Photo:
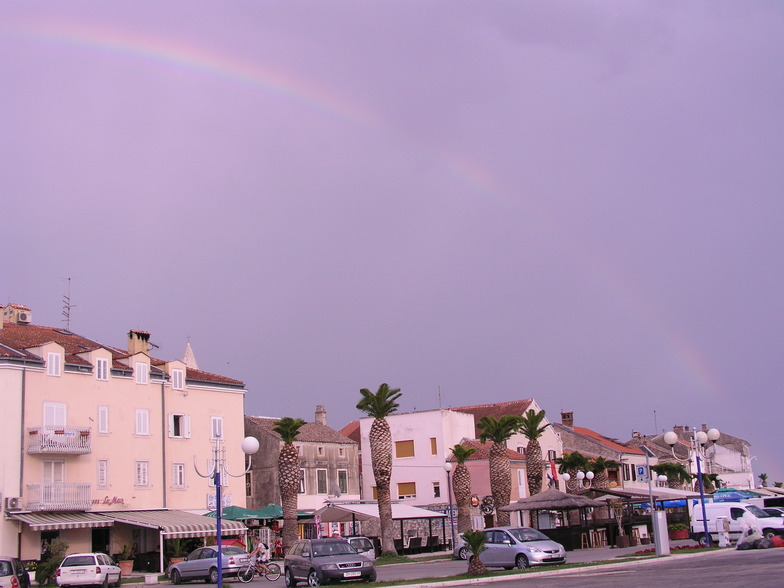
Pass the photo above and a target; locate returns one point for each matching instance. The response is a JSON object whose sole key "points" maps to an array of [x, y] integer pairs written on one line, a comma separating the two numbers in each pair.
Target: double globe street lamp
{"points": [[582, 480], [697, 446]]}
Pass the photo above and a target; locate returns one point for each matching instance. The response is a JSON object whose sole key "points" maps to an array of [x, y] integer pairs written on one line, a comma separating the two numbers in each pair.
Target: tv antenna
{"points": [[67, 306]]}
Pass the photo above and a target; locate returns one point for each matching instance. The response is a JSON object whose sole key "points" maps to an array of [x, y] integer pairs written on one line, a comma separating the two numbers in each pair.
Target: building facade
{"points": [[100, 438]]}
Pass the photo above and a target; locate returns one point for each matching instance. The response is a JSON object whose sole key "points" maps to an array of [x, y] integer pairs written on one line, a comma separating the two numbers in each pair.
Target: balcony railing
{"points": [[59, 440], [59, 497]]}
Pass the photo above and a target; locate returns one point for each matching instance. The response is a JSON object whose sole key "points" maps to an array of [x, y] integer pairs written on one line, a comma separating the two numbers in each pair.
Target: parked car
{"points": [[202, 564], [318, 561], [88, 569], [516, 547], [364, 546], [13, 573], [461, 548], [774, 511]]}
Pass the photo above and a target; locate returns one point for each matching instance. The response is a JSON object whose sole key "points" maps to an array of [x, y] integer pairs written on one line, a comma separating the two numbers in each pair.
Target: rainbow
{"points": [[172, 54]]}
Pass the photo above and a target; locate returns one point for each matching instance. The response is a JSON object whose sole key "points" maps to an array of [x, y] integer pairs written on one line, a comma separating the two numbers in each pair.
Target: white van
{"points": [[718, 512]]}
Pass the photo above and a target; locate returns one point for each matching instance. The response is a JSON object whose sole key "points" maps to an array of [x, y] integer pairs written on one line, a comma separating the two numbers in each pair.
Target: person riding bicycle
{"points": [[259, 557]]}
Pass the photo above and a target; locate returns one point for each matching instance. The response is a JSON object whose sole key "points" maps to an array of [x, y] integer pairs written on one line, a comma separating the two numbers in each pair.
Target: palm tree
{"points": [[461, 483], [288, 476], [476, 543], [571, 463], [380, 405], [677, 475], [599, 466], [498, 431], [710, 482], [531, 426], [763, 480]]}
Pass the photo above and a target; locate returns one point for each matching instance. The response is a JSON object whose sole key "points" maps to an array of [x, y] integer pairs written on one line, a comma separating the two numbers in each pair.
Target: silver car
{"points": [[520, 547], [202, 564]]}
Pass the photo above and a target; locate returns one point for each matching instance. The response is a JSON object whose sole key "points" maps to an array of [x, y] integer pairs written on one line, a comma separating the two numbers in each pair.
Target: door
{"points": [[52, 490]]}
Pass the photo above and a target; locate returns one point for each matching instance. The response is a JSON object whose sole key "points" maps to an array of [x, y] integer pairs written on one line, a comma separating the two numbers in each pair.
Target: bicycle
{"points": [[270, 570]]}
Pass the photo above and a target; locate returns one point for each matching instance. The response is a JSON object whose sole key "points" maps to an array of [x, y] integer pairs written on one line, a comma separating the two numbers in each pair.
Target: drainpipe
{"points": [[22, 434], [164, 422]]}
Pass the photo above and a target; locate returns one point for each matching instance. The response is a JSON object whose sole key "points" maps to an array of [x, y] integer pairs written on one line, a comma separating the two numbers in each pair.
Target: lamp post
{"points": [[448, 470], [215, 467], [658, 518], [582, 480], [696, 451]]}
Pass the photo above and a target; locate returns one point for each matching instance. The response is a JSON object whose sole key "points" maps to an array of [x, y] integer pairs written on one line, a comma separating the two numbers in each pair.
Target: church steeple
{"points": [[189, 359]]}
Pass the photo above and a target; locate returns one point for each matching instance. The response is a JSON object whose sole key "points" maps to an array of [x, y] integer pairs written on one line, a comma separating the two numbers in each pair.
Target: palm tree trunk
{"points": [[500, 482]]}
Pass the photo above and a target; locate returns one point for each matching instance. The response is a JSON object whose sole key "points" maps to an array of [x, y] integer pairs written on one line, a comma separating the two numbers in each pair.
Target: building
{"points": [[101, 442], [630, 458], [328, 463]]}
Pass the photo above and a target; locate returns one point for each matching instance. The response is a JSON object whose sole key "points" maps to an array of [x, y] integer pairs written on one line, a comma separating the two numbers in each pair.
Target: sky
{"points": [[577, 202]]}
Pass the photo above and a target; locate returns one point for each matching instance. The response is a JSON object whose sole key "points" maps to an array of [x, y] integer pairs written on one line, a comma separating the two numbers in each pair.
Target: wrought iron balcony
{"points": [[59, 497], [59, 440]]}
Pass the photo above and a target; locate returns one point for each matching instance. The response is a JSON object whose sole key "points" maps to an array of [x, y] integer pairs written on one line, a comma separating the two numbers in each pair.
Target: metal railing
{"points": [[59, 440], [59, 497]]}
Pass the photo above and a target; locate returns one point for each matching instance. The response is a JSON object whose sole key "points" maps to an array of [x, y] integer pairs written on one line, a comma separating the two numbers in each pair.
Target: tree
{"points": [[571, 463], [763, 480], [476, 543], [288, 476], [599, 466], [380, 405], [677, 475], [710, 482], [461, 483], [531, 426], [498, 431]]}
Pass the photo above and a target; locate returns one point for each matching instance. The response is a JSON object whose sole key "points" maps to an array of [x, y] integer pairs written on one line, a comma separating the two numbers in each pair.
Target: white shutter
{"points": [[54, 414], [171, 425], [186, 427], [103, 419]]}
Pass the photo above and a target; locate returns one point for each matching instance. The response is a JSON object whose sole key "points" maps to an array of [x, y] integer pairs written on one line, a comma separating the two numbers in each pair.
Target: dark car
{"points": [[13, 573], [318, 561], [202, 564]]}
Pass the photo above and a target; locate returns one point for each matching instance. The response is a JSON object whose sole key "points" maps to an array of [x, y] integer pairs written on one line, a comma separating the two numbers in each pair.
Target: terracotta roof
{"points": [[497, 410], [483, 451], [351, 431], [15, 340], [608, 442], [308, 433]]}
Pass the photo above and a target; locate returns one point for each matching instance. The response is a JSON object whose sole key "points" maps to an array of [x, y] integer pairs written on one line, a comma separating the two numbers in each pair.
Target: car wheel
{"points": [[105, 583], [769, 534], [372, 577], [176, 577], [288, 578], [313, 579], [119, 581], [462, 553], [521, 562], [213, 577]]}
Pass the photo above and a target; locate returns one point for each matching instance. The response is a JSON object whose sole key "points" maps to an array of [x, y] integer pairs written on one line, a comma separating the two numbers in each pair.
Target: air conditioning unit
{"points": [[24, 317], [13, 503]]}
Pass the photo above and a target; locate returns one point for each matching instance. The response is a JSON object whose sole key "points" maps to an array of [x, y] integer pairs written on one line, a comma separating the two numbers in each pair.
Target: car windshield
{"points": [[78, 560], [332, 548], [757, 511], [524, 535]]}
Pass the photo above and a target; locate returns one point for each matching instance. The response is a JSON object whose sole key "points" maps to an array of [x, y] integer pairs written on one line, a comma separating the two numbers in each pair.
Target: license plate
{"points": [[352, 574], [77, 571]]}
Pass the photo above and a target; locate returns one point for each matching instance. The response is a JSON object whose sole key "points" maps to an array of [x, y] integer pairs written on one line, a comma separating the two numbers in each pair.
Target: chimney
{"points": [[567, 419], [704, 427], [679, 429], [138, 342], [321, 414]]}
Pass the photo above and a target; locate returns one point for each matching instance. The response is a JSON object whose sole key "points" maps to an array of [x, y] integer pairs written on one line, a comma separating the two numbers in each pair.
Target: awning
{"points": [[348, 512], [175, 524], [53, 521]]}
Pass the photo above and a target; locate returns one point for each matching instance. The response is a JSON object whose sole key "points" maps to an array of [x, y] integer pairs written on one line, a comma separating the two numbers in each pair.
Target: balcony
{"points": [[59, 440], [59, 497]]}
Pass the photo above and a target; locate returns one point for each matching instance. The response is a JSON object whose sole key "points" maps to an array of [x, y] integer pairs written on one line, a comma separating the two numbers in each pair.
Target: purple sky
{"points": [[578, 202]]}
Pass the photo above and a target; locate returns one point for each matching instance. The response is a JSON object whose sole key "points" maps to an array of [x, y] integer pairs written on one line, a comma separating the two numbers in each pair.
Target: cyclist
{"points": [[259, 557]]}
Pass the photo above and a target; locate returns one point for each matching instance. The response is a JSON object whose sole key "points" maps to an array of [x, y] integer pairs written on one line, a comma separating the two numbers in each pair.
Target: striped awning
{"points": [[53, 521], [174, 524]]}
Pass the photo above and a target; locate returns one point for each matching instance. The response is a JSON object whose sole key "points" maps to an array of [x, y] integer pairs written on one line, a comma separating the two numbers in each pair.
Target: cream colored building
{"points": [[100, 442]]}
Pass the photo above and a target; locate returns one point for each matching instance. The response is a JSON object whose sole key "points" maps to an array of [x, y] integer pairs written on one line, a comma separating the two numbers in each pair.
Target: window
{"points": [[142, 372], [436, 490], [102, 369], [302, 481], [53, 364], [521, 449], [551, 455], [216, 427], [178, 475], [54, 414], [404, 448], [406, 490], [103, 473], [321, 481], [433, 446], [320, 450], [627, 473], [142, 421], [179, 426], [177, 379], [341, 452], [103, 419], [142, 474], [343, 481], [375, 493]]}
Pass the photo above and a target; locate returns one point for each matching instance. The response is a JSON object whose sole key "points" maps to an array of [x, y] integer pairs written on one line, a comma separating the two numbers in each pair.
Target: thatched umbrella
{"points": [[552, 499]]}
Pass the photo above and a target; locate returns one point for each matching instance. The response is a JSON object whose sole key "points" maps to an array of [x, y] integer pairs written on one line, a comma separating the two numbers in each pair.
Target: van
{"points": [[718, 512]]}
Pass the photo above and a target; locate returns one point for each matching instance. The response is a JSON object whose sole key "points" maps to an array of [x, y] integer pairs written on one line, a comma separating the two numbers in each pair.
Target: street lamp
{"points": [[448, 470], [215, 467], [696, 451], [658, 518], [582, 480]]}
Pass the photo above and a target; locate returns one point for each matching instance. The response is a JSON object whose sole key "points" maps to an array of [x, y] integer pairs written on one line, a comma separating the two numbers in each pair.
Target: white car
{"points": [[85, 569]]}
